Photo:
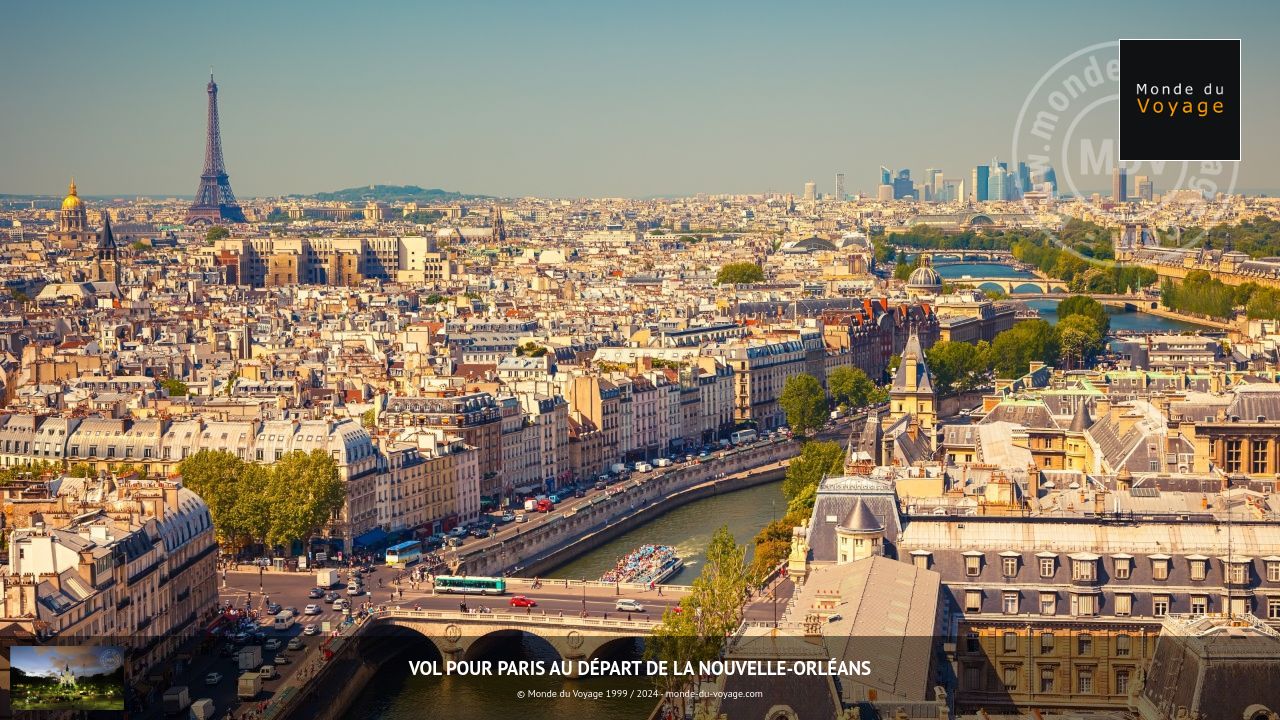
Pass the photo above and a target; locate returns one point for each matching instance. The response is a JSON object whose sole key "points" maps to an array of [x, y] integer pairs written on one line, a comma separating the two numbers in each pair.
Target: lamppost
{"points": [[584, 597]]}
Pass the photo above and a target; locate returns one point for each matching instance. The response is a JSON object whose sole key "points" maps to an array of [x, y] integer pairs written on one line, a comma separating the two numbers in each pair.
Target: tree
{"points": [[850, 387], [958, 365], [369, 419], [1079, 338], [222, 480], [1088, 307], [434, 299], [804, 402], [304, 491], [815, 461], [741, 273], [215, 233], [175, 387], [1015, 348], [711, 612]]}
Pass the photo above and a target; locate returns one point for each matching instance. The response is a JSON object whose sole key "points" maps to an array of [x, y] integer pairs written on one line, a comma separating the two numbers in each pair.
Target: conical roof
{"points": [[1081, 421], [861, 519]]}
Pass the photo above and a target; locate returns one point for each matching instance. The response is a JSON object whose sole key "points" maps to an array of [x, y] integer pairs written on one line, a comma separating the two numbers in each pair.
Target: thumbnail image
{"points": [[77, 677]]}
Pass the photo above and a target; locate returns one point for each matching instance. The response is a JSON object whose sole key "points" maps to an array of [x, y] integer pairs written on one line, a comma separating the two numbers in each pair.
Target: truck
{"points": [[326, 578], [202, 709], [249, 658], [643, 467], [617, 468], [249, 686], [544, 505], [176, 700], [663, 462], [530, 505]]}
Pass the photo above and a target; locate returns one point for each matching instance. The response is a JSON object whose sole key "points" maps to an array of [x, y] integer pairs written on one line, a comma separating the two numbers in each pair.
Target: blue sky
{"points": [[558, 98]]}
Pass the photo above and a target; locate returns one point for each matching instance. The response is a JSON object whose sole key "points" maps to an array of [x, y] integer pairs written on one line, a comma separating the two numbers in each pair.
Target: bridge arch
{"points": [[619, 648], [511, 641], [1026, 287], [993, 285], [382, 642]]}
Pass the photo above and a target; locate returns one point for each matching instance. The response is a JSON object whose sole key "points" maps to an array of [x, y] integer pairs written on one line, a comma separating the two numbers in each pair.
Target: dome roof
{"points": [[72, 201], [924, 276]]}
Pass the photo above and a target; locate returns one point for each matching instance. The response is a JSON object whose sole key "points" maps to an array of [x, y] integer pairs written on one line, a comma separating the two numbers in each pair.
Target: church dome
{"points": [[72, 200], [925, 277]]}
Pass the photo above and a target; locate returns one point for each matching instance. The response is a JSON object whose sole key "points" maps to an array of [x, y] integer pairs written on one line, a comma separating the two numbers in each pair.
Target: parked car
{"points": [[520, 518], [628, 605], [508, 517], [522, 601], [213, 678]]}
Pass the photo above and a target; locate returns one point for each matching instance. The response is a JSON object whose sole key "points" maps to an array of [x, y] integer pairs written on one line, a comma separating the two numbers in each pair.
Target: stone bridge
{"points": [[957, 256], [1014, 286], [468, 636]]}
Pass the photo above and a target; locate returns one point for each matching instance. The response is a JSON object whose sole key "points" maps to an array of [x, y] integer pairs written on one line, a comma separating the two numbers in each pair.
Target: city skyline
{"points": [[511, 101]]}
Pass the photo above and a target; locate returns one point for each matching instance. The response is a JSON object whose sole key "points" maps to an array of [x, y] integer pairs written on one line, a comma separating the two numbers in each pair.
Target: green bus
{"points": [[471, 585]]}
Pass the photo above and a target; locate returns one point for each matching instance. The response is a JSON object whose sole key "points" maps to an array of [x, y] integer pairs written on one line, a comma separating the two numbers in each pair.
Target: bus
{"points": [[406, 553], [743, 436], [471, 585]]}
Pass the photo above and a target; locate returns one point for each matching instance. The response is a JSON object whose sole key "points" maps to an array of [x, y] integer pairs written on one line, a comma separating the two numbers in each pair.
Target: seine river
{"points": [[395, 695]]}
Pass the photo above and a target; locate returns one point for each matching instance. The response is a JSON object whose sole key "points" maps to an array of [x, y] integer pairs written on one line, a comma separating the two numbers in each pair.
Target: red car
{"points": [[522, 601]]}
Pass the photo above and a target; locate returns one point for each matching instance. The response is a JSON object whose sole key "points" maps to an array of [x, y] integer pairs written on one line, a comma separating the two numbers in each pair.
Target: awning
{"points": [[371, 538]]}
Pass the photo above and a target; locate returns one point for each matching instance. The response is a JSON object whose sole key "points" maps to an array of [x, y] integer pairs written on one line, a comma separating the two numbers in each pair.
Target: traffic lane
{"points": [[596, 606]]}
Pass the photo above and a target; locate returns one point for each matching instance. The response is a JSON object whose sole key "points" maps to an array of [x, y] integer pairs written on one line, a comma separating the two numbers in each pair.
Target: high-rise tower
{"points": [[214, 200]]}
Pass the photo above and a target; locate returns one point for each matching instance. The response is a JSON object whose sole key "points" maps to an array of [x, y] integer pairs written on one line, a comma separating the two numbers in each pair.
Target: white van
{"points": [[354, 588], [284, 620]]}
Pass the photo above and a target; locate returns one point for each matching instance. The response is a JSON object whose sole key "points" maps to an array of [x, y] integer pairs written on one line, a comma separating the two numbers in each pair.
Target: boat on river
{"points": [[646, 564]]}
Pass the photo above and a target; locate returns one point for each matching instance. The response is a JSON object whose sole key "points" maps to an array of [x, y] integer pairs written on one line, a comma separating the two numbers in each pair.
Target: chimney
{"points": [[1102, 407], [85, 568]]}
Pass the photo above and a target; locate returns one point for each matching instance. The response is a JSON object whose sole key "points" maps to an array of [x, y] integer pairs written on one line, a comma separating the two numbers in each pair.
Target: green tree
{"points": [[369, 418], [742, 273], [815, 461], [434, 299], [1015, 348], [81, 470], [224, 482], [1080, 339], [851, 387], [175, 387], [711, 612], [215, 233], [804, 402], [1087, 306], [304, 491], [958, 365]]}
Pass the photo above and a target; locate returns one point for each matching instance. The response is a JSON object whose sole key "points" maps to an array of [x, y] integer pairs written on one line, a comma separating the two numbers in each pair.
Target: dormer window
{"points": [[972, 563], [1199, 565], [1084, 566], [1009, 564], [1160, 567]]}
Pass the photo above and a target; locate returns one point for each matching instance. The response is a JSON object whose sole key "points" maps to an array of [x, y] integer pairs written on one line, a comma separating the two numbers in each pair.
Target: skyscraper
{"points": [[810, 191], [1051, 177], [1119, 185], [981, 178], [839, 186], [1024, 178], [998, 184], [1143, 188], [886, 177], [902, 185]]}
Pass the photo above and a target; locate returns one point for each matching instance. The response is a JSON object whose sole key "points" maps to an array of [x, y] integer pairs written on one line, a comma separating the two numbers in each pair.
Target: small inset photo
{"points": [[72, 677]]}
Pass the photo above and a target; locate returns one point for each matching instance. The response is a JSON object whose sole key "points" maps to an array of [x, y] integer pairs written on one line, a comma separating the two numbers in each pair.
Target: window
{"points": [[1009, 566], [1199, 569], [1082, 605], [1238, 573], [1122, 681], [1160, 569], [921, 561], [972, 565], [1084, 644], [1233, 455], [1199, 604], [1084, 681], [1124, 605], [1122, 645], [1122, 568], [1239, 605], [1082, 570], [1160, 605], [971, 643], [1048, 603], [1010, 641], [972, 600], [1258, 461], [1273, 608], [1011, 673], [1046, 567], [973, 677], [1010, 603], [1046, 643], [1046, 680], [1273, 571]]}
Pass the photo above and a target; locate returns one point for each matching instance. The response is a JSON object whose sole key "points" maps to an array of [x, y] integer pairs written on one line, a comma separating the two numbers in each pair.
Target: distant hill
{"points": [[393, 193]]}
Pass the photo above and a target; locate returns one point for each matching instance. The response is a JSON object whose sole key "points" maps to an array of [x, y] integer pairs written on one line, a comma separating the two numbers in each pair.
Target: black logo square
{"points": [[1180, 100]]}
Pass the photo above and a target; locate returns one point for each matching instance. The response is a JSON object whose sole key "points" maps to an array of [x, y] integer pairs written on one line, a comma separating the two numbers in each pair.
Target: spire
{"points": [[106, 238], [71, 189], [861, 519]]}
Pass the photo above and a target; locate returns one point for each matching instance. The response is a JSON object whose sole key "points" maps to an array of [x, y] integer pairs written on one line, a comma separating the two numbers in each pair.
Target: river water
{"points": [[396, 695]]}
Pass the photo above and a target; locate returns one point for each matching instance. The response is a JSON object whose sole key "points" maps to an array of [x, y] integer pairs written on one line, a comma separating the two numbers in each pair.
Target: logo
{"points": [[1067, 132], [111, 658]]}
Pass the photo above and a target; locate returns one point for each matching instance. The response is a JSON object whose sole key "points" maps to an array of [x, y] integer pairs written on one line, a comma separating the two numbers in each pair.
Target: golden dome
{"points": [[72, 201]]}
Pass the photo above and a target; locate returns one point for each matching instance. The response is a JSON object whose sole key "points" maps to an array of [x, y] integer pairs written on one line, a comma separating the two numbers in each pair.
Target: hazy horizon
{"points": [[564, 100]]}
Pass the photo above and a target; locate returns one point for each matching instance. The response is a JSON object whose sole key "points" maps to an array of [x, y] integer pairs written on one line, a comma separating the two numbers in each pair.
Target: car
{"points": [[273, 608], [310, 630], [602, 485], [368, 569], [522, 601], [479, 532], [292, 610], [508, 517], [213, 678], [267, 672], [272, 644], [554, 498], [311, 610], [341, 605], [835, 618], [295, 644], [315, 593], [520, 518], [628, 605], [281, 660], [330, 597], [579, 493]]}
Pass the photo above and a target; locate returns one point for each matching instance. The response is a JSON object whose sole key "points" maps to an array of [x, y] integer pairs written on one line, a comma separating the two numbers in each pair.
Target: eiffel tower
{"points": [[214, 200]]}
